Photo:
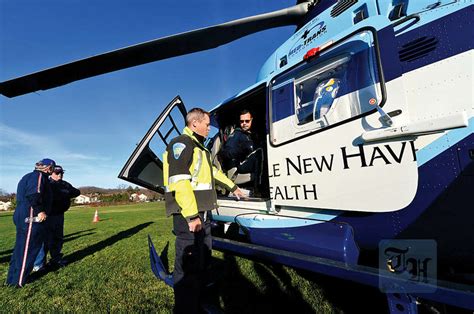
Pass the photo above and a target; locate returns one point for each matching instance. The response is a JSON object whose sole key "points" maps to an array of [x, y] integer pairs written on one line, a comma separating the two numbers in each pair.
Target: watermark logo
{"points": [[407, 266]]}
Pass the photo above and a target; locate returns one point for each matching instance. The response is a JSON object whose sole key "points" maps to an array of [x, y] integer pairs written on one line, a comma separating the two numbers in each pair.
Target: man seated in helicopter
{"points": [[242, 154]]}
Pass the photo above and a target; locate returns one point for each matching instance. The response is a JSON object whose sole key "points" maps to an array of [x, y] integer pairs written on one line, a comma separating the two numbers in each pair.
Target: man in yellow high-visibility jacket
{"points": [[190, 196]]}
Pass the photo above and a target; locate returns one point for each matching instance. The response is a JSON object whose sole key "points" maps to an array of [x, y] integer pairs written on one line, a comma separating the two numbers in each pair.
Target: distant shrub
{"points": [[13, 204]]}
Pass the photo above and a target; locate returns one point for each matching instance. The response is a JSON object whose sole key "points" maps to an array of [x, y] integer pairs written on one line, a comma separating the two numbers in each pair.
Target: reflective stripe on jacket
{"points": [[189, 177]]}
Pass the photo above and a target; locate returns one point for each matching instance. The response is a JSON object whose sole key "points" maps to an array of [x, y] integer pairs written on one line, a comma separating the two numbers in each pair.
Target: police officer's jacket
{"points": [[189, 175], [33, 196], [63, 191]]}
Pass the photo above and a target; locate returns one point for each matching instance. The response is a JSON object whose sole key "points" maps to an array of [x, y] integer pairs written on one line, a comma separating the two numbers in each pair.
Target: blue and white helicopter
{"points": [[367, 115]]}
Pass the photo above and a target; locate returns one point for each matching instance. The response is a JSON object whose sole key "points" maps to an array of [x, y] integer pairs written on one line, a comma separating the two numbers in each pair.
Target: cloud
{"points": [[14, 141], [19, 150], [13, 138]]}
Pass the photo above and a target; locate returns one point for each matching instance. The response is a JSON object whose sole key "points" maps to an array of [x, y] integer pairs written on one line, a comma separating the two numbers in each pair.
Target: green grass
{"points": [[109, 270]]}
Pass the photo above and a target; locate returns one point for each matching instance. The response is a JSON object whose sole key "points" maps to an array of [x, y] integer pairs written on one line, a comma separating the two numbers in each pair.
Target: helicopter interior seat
{"points": [[244, 176], [216, 143], [248, 174], [326, 107], [238, 178], [215, 146], [321, 107], [339, 112]]}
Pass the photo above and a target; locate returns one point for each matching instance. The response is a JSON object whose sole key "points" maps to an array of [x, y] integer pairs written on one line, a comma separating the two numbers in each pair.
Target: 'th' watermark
{"points": [[407, 266]]}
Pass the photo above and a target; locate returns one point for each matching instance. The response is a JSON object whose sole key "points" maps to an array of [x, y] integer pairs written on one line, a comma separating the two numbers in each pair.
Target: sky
{"points": [[91, 127]]}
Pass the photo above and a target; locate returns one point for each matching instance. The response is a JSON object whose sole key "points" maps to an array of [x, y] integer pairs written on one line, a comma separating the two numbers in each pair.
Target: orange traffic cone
{"points": [[96, 216]]}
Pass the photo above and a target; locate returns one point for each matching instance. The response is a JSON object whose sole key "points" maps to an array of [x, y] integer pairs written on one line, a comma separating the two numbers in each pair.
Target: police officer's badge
{"points": [[178, 149]]}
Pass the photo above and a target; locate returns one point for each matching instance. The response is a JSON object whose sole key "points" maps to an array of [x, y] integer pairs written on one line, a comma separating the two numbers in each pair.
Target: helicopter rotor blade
{"points": [[154, 50]]}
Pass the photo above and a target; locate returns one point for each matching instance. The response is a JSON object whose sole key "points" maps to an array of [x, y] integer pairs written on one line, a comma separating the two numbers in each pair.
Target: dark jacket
{"points": [[237, 147], [33, 196], [63, 191]]}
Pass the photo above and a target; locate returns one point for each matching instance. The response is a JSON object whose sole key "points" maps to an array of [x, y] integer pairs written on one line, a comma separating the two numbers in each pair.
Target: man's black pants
{"points": [[55, 229], [193, 254]]}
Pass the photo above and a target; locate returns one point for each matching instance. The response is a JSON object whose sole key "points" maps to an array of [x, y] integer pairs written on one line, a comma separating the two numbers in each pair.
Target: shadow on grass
{"points": [[6, 215], [349, 297], [77, 237], [67, 238], [240, 295], [164, 257], [6, 252], [76, 233], [78, 255], [105, 219], [6, 258]]}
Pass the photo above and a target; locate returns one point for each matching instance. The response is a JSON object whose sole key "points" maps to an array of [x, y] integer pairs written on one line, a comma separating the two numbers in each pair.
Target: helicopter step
{"points": [[308, 233]]}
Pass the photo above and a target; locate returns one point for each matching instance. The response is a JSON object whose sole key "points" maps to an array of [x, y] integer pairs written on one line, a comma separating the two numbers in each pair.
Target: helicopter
{"points": [[367, 115]]}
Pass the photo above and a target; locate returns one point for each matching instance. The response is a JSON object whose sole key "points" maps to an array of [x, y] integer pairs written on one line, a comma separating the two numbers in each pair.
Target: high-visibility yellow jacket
{"points": [[189, 177]]}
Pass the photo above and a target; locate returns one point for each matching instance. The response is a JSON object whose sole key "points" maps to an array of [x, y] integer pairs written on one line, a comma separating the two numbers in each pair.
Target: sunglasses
{"points": [[58, 173], [245, 121]]}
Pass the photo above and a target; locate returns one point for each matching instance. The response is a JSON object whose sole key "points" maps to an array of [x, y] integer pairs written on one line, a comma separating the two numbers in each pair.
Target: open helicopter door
{"points": [[145, 167]]}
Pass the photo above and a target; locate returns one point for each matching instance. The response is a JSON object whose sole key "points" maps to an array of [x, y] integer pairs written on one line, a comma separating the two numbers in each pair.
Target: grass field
{"points": [[109, 271]]}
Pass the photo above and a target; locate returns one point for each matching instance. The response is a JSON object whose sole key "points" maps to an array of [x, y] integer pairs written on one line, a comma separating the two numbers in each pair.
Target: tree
{"points": [[13, 202], [122, 186]]}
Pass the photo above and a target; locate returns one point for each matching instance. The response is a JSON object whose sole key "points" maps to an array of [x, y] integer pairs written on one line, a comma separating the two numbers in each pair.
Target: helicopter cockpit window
{"points": [[340, 84]]}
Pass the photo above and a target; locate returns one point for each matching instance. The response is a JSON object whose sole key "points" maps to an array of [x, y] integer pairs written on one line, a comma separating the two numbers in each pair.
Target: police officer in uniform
{"points": [[34, 199], [190, 195], [63, 191]]}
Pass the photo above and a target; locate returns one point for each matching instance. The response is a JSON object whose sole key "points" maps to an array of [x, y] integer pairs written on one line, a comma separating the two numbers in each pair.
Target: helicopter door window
{"points": [[145, 167], [171, 128], [342, 83], [282, 95], [316, 92]]}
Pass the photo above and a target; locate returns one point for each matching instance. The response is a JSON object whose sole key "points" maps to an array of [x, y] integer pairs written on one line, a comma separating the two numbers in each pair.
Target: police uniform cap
{"points": [[58, 169], [46, 162]]}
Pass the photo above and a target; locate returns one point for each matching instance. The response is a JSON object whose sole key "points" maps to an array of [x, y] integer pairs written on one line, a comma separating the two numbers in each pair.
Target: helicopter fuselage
{"points": [[371, 138]]}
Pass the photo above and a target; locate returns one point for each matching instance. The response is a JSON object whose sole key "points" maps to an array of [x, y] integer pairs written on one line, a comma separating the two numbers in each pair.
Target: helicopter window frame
{"points": [[292, 74]]}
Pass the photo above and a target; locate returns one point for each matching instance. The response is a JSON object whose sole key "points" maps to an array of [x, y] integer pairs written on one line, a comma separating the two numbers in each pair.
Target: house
{"points": [[82, 199], [138, 197], [5, 205]]}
